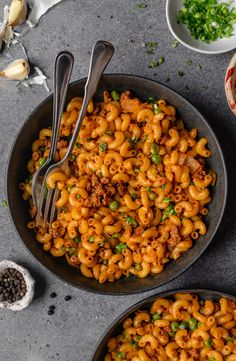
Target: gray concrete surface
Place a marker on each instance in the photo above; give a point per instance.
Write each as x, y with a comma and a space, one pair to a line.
72, 332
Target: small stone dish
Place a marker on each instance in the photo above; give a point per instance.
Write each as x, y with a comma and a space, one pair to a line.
29, 281
182, 34
230, 84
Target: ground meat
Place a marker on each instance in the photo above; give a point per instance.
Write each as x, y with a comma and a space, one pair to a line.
194, 353
100, 192
174, 238
122, 189
200, 173
61, 144
36, 155
167, 329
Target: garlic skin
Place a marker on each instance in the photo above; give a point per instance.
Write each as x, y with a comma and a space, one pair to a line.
30, 283
18, 12
16, 70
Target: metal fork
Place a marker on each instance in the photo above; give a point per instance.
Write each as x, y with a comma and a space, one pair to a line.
101, 55
62, 73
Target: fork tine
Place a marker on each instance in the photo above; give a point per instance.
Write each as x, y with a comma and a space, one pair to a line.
40, 202
53, 208
47, 206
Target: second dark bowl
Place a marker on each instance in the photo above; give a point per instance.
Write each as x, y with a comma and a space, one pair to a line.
116, 327
21, 153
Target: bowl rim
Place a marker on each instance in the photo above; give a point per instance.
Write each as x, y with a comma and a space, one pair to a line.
83, 287
151, 298
210, 52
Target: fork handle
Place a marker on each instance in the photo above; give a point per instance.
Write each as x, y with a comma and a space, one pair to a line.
101, 55
62, 72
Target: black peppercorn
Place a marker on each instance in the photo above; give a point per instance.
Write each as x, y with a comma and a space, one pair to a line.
53, 295
12, 285
68, 298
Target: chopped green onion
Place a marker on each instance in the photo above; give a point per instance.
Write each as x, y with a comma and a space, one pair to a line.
72, 158
148, 189
161, 60
133, 196
207, 20
114, 205
156, 109
168, 212
230, 339
133, 140
171, 334
115, 95
119, 247
120, 355
77, 239
166, 200
69, 188
151, 100
42, 161
152, 196
116, 235
4, 203
212, 359
78, 145
91, 239
156, 158
153, 64
42, 149
163, 186
102, 147
141, 6
138, 266
175, 43
78, 196
151, 44
208, 342
109, 132
29, 179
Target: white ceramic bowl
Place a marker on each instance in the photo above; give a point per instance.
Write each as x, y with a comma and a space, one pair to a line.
182, 34
30, 283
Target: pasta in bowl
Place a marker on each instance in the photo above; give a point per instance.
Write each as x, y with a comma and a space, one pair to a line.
176, 325
135, 193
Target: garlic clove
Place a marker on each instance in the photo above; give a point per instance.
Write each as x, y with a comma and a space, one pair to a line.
18, 12
17, 70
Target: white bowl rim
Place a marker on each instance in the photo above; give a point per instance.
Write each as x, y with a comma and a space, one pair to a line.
224, 50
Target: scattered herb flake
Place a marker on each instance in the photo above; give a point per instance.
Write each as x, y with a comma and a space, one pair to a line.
4, 203
181, 73
175, 43
153, 64
141, 6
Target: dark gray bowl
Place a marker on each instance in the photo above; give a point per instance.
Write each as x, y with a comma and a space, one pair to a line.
116, 326
16, 173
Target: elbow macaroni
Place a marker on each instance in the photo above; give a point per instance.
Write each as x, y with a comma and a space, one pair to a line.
160, 334
135, 187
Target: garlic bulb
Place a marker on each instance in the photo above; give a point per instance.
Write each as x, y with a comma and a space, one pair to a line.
18, 12
17, 70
